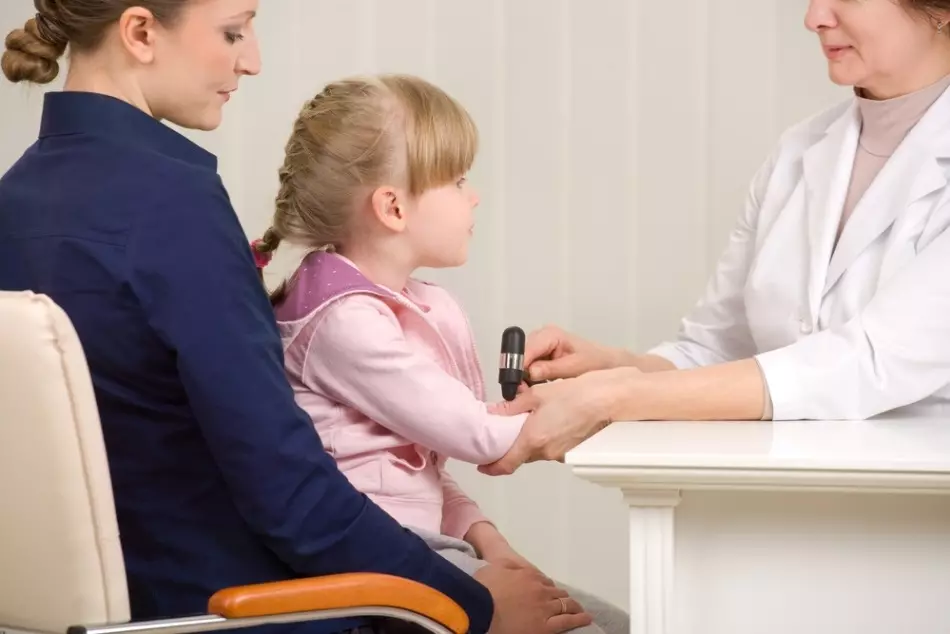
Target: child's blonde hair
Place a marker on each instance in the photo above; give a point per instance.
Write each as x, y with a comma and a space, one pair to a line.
359, 134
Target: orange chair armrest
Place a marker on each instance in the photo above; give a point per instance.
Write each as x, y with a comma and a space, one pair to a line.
333, 592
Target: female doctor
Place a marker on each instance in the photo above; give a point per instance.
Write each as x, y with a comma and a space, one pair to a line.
832, 298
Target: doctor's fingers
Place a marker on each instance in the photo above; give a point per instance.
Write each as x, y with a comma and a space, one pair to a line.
568, 366
525, 401
519, 453
545, 436
544, 343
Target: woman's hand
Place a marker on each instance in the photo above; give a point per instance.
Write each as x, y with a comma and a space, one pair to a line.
525, 601
563, 414
566, 614
551, 353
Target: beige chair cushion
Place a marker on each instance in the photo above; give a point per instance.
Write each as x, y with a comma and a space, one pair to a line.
60, 558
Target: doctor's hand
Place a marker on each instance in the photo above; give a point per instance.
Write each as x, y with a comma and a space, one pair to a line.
551, 353
562, 415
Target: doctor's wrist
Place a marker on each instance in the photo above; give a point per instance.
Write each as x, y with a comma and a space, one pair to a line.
611, 395
621, 358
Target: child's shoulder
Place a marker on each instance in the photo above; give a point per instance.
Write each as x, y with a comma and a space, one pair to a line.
322, 280
347, 322
434, 294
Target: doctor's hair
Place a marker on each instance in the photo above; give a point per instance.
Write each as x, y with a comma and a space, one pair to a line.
356, 135
32, 52
934, 10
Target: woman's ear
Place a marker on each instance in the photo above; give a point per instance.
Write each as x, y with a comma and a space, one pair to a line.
137, 28
941, 19
389, 208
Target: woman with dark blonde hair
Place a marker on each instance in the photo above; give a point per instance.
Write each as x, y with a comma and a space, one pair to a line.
219, 478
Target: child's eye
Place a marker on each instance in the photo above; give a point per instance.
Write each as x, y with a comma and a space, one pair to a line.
461, 181
232, 37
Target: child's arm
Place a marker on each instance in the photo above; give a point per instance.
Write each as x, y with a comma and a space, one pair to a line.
459, 512
492, 546
462, 519
359, 356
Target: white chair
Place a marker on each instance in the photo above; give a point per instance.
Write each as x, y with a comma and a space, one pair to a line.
61, 567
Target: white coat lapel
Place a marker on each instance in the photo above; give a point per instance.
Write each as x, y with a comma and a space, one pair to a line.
909, 175
826, 170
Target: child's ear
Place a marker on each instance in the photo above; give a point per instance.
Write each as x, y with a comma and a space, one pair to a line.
389, 208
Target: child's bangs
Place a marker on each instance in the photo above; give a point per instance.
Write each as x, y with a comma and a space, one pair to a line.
442, 139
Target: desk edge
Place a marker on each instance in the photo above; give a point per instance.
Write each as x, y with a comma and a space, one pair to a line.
630, 479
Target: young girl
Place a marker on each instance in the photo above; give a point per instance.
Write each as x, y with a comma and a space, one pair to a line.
373, 184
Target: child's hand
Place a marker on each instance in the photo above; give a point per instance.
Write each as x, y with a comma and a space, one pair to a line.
509, 408
492, 547
502, 408
507, 557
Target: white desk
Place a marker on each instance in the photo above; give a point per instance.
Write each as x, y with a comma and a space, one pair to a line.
766, 528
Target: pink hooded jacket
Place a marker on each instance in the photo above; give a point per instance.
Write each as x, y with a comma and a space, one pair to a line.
393, 386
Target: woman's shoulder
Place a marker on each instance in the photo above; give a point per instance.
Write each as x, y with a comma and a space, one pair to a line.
787, 153
161, 175
187, 186
192, 199
806, 131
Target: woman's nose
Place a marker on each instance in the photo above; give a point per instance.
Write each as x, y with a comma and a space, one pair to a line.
249, 63
820, 15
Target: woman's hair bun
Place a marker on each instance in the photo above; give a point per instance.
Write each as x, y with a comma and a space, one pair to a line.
33, 52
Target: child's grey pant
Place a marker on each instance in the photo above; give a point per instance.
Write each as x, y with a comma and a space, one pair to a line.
608, 619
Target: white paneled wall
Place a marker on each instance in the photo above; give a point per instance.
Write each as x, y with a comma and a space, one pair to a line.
619, 137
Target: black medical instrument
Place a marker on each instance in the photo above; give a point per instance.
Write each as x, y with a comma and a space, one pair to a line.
511, 362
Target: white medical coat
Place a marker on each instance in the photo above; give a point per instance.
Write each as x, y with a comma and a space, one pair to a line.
847, 331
